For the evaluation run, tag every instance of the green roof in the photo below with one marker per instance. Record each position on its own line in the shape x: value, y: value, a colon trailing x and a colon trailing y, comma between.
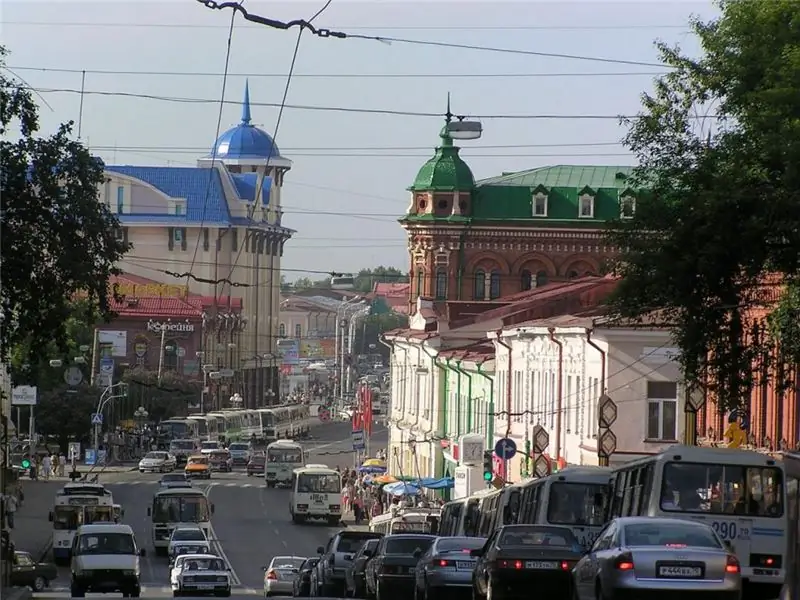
x: 446, y: 171
x: 565, y: 176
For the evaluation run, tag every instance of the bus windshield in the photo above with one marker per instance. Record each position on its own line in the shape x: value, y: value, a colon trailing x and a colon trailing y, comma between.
x: 285, y: 455
x: 318, y: 483
x: 722, y: 489
x: 173, y: 429
x: 67, y: 517
x: 182, y: 445
x: 98, y: 514
x: 576, y: 503
x: 180, y: 509
x: 268, y: 419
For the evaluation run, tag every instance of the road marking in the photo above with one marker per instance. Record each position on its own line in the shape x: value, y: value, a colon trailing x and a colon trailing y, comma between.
x: 234, y: 577
x: 285, y: 545
x: 276, y: 531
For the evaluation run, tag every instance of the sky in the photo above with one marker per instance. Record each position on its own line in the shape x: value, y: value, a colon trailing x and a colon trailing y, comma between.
x: 153, y: 86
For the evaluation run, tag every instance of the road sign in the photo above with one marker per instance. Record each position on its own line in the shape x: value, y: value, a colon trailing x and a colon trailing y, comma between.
x: 227, y: 373
x: 73, y: 376
x: 89, y: 456
x: 607, y: 411
x: 324, y: 415
x: 607, y: 444
x: 24, y: 395
x: 74, y: 451
x: 358, y: 440
x: 97, y: 418
x: 505, y: 448
x: 541, y: 466
x: 106, y: 375
x: 541, y: 439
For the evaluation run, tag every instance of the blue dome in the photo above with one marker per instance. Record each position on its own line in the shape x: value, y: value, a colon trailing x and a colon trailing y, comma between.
x: 245, y: 141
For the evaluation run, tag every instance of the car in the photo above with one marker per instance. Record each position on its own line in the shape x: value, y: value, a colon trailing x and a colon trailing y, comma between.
x: 448, y: 564
x: 256, y: 464
x: 202, y: 574
x: 197, y: 467
x: 105, y: 559
x: 241, y: 452
x: 26, y: 572
x: 174, y: 480
x: 328, y: 577
x: 301, y: 586
x: 187, y: 540
x: 651, y: 556
x: 279, y: 575
x: 182, y: 449
x: 220, y: 460
x: 208, y: 447
x: 392, y: 570
x: 157, y: 462
x: 519, y: 557
x: 355, y: 577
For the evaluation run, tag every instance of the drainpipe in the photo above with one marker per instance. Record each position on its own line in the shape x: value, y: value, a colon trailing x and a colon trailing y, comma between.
x: 508, y: 380
x: 602, y: 352
x: 458, y: 401
x: 560, y: 388
x: 469, y: 394
x: 434, y: 392
x: 490, y: 415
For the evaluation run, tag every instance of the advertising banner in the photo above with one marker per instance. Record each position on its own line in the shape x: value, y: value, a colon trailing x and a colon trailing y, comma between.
x: 289, y: 351
x: 318, y: 349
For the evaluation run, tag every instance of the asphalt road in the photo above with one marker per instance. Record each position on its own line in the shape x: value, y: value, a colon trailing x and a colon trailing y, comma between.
x: 251, y: 523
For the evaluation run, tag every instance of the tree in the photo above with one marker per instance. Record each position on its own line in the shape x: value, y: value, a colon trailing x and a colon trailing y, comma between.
x: 717, y: 213
x: 65, y: 413
x: 306, y: 283
x: 162, y: 398
x: 56, y: 239
x: 371, y: 330
x: 367, y: 278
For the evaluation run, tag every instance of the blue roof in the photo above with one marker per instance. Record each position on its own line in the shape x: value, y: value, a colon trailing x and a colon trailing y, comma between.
x: 247, y: 183
x: 245, y: 141
x: 191, y: 183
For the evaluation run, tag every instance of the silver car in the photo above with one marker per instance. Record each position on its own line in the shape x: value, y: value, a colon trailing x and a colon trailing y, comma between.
x: 640, y: 556
x: 279, y: 575
x: 447, y: 564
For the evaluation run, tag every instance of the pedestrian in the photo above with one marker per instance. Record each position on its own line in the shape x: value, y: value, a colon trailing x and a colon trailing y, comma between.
x: 62, y: 464
x: 11, y: 509
x: 357, y: 516
x: 47, y: 466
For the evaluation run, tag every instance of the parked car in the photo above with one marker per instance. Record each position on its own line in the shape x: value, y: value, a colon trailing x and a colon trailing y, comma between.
x: 26, y: 572
x: 302, y: 580
x: 392, y: 571
x: 279, y: 575
x: 355, y: 577
x: 328, y: 578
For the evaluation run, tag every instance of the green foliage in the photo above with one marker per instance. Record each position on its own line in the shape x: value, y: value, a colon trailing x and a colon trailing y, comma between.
x: 367, y: 278
x: 65, y: 413
x: 374, y: 326
x: 306, y: 283
x: 56, y: 239
x: 721, y: 208
x: 164, y: 398
x: 784, y: 323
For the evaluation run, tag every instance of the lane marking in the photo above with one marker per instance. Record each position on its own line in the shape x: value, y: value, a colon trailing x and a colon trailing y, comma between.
x: 216, y: 543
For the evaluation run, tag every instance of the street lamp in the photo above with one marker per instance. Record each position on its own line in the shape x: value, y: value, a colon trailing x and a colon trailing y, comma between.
x: 270, y: 396
x: 236, y: 400
x: 140, y: 415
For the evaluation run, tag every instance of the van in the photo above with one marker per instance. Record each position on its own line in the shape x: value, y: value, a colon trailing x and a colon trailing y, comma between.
x: 105, y: 559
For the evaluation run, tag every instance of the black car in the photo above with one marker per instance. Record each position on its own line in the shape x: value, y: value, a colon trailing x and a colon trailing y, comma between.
x: 520, y: 557
x: 391, y: 571
x: 328, y: 577
x: 301, y: 586
x: 355, y: 583
x: 26, y: 572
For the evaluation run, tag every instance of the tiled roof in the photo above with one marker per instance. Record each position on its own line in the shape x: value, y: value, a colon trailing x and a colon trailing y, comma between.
x: 201, y: 187
x: 247, y: 183
x: 565, y: 176
x: 392, y: 290
x: 146, y: 304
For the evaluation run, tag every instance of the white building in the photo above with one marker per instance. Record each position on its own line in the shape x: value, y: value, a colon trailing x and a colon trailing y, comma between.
x: 557, y: 369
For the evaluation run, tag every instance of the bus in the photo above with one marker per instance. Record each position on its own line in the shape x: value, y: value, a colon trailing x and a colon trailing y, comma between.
x: 451, y: 521
x: 284, y: 422
x: 574, y: 497
x: 283, y: 457
x: 178, y: 507
x: 77, y: 504
x: 407, y: 520
x: 791, y: 586
x: 741, y: 494
x: 177, y: 428
x: 316, y: 494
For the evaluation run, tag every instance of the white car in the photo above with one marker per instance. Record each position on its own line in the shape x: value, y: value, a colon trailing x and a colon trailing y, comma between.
x: 200, y: 574
x: 174, y: 480
x: 209, y: 447
x: 279, y: 575
x: 157, y: 462
x: 188, y: 540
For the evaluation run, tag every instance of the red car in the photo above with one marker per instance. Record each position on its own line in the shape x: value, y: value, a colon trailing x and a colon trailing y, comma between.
x: 220, y: 460
x: 256, y: 465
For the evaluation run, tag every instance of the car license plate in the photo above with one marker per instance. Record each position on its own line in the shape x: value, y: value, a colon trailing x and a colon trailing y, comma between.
x: 680, y: 572
x: 541, y: 564
x: 205, y: 586
x: 464, y: 566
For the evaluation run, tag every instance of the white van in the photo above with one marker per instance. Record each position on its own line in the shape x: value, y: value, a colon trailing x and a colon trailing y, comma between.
x: 105, y: 558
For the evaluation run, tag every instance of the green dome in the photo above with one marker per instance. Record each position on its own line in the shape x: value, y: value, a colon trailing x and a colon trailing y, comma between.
x: 446, y: 171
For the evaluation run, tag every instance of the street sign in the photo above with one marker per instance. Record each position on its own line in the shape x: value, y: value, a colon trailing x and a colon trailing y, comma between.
x: 227, y: 373
x: 505, y: 448
x: 106, y: 375
x: 541, y: 439
x: 358, y: 440
x: 97, y: 418
x: 324, y: 415
x: 74, y: 451
x: 695, y: 399
x: 24, y: 395
x: 607, y: 411
x: 541, y: 467
x: 89, y: 456
x: 73, y: 376
x: 607, y: 444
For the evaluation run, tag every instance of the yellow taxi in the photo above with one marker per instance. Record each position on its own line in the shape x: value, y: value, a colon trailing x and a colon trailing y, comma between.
x: 197, y: 467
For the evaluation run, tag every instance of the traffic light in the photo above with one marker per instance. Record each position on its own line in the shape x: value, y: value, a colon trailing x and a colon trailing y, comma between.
x: 26, y: 464
x: 488, y: 465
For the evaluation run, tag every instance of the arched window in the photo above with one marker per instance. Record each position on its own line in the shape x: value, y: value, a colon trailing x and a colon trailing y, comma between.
x: 541, y: 279
x: 420, y: 281
x: 527, y: 281
x: 572, y: 274
x: 480, y: 285
x: 282, y: 330
x: 494, y: 285
x: 441, y: 284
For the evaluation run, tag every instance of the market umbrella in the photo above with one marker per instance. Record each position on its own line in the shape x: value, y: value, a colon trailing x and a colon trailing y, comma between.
x: 380, y: 479
x: 401, y: 488
x: 371, y: 469
x: 374, y: 462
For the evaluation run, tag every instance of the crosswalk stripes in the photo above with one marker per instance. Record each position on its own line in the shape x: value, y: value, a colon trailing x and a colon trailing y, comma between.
x: 204, y: 484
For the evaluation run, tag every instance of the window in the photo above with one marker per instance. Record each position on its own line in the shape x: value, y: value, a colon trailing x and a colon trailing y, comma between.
x: 420, y: 282
x: 120, y: 199
x: 540, y: 205
x: 662, y: 410
x: 541, y: 279
x: 494, y: 285
x: 586, y: 206
x: 179, y: 209
x: 627, y: 207
x: 298, y: 331
x: 441, y: 284
x: 234, y: 239
x: 479, y: 292
x: 205, y: 238
x: 527, y: 281
x: 282, y: 330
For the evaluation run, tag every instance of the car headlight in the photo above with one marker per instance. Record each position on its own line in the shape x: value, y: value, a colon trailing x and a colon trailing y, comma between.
x: 222, y: 578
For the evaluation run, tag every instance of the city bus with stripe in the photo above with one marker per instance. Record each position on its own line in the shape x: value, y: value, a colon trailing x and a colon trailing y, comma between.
x: 78, y: 504
x: 740, y: 494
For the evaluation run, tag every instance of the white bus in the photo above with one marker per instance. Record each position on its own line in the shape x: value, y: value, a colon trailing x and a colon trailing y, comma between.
x: 316, y: 494
x: 575, y: 497
x: 451, y: 522
x: 739, y: 493
x: 791, y: 586
x: 178, y: 507
x: 177, y: 428
x: 283, y: 457
x: 407, y: 520
x: 77, y: 504
x: 284, y: 422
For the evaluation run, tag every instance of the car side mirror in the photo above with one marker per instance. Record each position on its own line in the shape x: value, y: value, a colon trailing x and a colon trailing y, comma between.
x: 295, y: 570
x: 476, y: 553
x: 142, y: 551
x: 50, y: 516
x: 212, y: 509
x: 320, y: 550
x: 348, y: 557
x: 149, y: 512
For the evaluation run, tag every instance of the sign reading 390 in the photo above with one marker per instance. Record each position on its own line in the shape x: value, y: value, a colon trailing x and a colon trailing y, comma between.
x: 729, y: 530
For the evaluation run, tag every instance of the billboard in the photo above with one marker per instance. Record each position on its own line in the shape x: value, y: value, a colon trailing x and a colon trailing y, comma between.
x: 318, y: 349
x: 289, y: 351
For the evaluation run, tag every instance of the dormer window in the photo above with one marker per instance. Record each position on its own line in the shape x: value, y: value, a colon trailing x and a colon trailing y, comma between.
x: 586, y: 206
x: 627, y: 207
x: 540, y: 205
x: 179, y: 208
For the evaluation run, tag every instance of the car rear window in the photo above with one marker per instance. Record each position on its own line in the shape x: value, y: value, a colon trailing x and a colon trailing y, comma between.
x: 459, y: 544
x: 675, y: 534
x: 407, y: 545
x: 350, y: 544
x: 536, y: 536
